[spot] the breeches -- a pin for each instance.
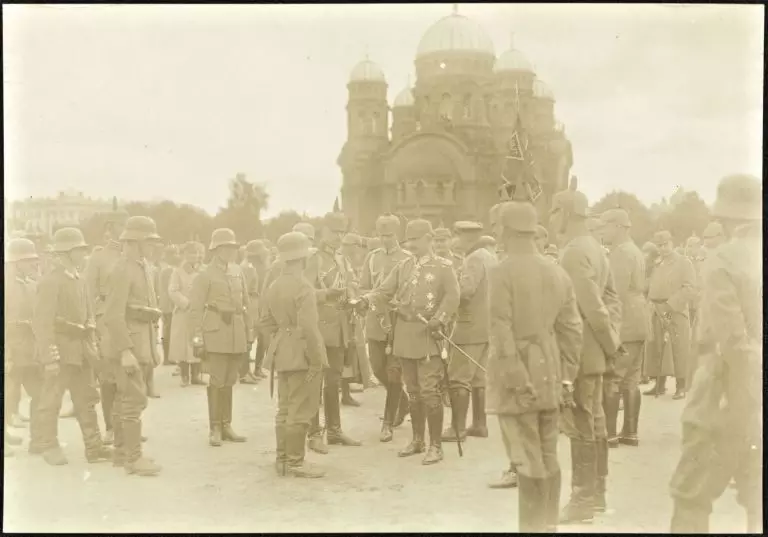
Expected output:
(462, 373)
(223, 369)
(31, 378)
(387, 369)
(679, 337)
(424, 380)
(534, 449)
(298, 401)
(628, 366)
(130, 402)
(586, 422)
(81, 383)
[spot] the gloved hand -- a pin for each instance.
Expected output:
(129, 362)
(434, 325)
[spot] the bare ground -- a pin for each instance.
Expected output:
(235, 489)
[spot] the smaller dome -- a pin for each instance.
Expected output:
(542, 91)
(404, 98)
(513, 60)
(367, 70)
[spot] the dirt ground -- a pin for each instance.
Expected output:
(234, 488)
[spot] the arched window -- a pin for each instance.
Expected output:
(420, 187)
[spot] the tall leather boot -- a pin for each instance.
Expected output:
(479, 428)
(296, 466)
(552, 502)
(227, 433)
(680, 389)
(281, 458)
(579, 509)
(196, 375)
(659, 387)
(346, 395)
(315, 442)
(688, 518)
(403, 408)
(611, 409)
(418, 422)
(531, 504)
(435, 423)
(632, 400)
(108, 391)
(601, 475)
(333, 418)
(184, 366)
(214, 416)
(390, 411)
(459, 408)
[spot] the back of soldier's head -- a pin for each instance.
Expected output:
(518, 220)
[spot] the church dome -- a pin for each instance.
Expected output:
(367, 71)
(455, 33)
(404, 98)
(513, 60)
(542, 91)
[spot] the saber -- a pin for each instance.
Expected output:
(456, 347)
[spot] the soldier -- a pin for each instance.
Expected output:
(261, 263)
(542, 238)
(218, 320)
(374, 243)
(180, 292)
(628, 268)
(424, 289)
(355, 358)
(443, 242)
(535, 319)
(552, 253)
(97, 272)
(64, 329)
(713, 236)
(167, 266)
(386, 366)
(289, 317)
(21, 365)
(670, 291)
(722, 420)
(489, 243)
(254, 268)
(471, 334)
(584, 260)
(131, 318)
(331, 276)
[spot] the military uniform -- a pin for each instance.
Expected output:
(166, 305)
(64, 331)
(297, 354)
(21, 365)
(472, 335)
(253, 281)
(722, 421)
(585, 261)
(420, 288)
(385, 365)
(628, 269)
(131, 318)
(670, 291)
(537, 337)
(218, 317)
(443, 238)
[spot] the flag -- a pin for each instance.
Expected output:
(526, 176)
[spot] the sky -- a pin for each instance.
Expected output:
(170, 102)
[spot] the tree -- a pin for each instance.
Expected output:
(643, 224)
(243, 211)
(687, 216)
(284, 222)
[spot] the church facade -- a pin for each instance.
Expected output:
(444, 154)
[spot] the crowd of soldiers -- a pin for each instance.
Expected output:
(553, 331)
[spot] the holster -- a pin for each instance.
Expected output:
(74, 330)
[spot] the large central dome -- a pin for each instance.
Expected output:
(455, 33)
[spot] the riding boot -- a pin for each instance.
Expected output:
(601, 455)
(296, 466)
(108, 390)
(552, 502)
(611, 409)
(459, 407)
(227, 433)
(196, 376)
(346, 395)
(478, 428)
(214, 416)
(281, 450)
(680, 390)
(418, 422)
(315, 442)
(632, 401)
(435, 423)
(659, 387)
(390, 411)
(333, 419)
(580, 507)
(531, 504)
(184, 374)
(403, 408)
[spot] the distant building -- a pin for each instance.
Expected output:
(443, 154)
(46, 215)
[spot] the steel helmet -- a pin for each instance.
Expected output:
(222, 237)
(352, 239)
(293, 245)
(21, 249)
(256, 248)
(739, 197)
(306, 228)
(519, 216)
(139, 228)
(571, 201)
(67, 239)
